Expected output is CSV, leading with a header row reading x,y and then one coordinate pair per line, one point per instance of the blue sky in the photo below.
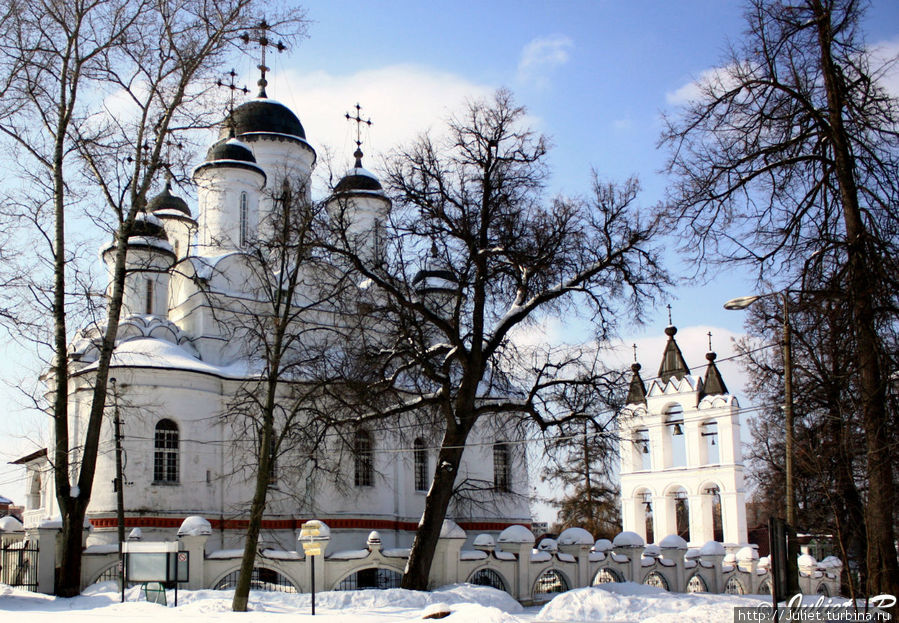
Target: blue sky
x,y
595,77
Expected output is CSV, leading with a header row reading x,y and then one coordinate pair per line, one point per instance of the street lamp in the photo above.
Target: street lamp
x,y
743,302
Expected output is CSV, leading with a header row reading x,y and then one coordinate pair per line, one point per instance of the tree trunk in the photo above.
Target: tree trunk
x,y
882,562
257,509
418,568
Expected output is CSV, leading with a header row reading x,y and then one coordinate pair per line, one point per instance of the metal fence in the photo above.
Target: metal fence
x,y
18,564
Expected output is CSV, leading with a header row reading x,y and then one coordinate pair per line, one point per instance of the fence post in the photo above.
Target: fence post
x,y
47,540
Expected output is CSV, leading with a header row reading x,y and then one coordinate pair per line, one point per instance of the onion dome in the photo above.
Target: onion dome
x,y
147,226
673,364
231,153
358,178
263,115
433,278
230,149
167,201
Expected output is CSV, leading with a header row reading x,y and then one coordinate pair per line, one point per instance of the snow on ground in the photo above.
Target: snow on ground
x,y
467,603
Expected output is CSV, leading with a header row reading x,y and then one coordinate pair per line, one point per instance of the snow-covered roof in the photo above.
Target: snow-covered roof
x,y
515,534
747,554
673,541
712,548
484,540
602,545
10,524
146,352
575,536
628,539
451,530
195,526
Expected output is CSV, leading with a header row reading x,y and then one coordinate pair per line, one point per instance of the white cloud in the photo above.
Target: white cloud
x,y
885,58
540,56
403,101
721,77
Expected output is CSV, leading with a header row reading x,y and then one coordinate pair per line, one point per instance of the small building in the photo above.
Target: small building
x,y
681,464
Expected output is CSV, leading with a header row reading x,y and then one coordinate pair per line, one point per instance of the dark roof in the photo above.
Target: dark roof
x,y
265,115
167,201
147,226
357,178
713,383
637,391
673,363
30,457
230,149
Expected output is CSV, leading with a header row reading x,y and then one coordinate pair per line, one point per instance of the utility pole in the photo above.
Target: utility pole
x,y
119,480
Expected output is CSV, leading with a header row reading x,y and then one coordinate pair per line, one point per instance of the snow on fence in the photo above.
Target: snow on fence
x,y
509,562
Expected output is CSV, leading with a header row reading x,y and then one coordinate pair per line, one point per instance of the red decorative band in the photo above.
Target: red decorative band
x,y
335,523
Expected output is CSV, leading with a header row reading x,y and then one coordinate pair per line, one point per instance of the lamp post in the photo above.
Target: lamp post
x,y
742,303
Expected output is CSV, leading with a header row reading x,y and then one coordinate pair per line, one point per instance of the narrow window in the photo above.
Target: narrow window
x,y
502,473
421,466
244,223
273,458
362,451
149,296
165,457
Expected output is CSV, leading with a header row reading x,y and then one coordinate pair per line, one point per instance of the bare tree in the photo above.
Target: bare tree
x,y
142,65
284,321
471,253
582,458
789,148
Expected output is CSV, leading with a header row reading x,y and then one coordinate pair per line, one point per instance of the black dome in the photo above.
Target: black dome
x,y
357,178
167,201
265,115
231,149
354,180
148,226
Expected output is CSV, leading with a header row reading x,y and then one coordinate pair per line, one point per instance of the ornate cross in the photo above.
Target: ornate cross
x,y
669,315
263,41
359,121
710,341
635,353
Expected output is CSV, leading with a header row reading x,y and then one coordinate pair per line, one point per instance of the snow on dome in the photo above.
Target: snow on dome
x,y
693,552
484,540
135,535
807,560
747,554
673,541
195,526
10,524
373,537
764,562
451,530
516,534
628,539
575,536
548,545
602,545
712,548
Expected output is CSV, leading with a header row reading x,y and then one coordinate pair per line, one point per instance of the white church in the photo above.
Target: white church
x,y
681,465
176,366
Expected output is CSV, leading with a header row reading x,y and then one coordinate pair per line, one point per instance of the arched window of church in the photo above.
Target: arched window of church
x,y
502,467
148,299
682,514
710,442
244,220
364,465
674,426
165,456
421,465
644,452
